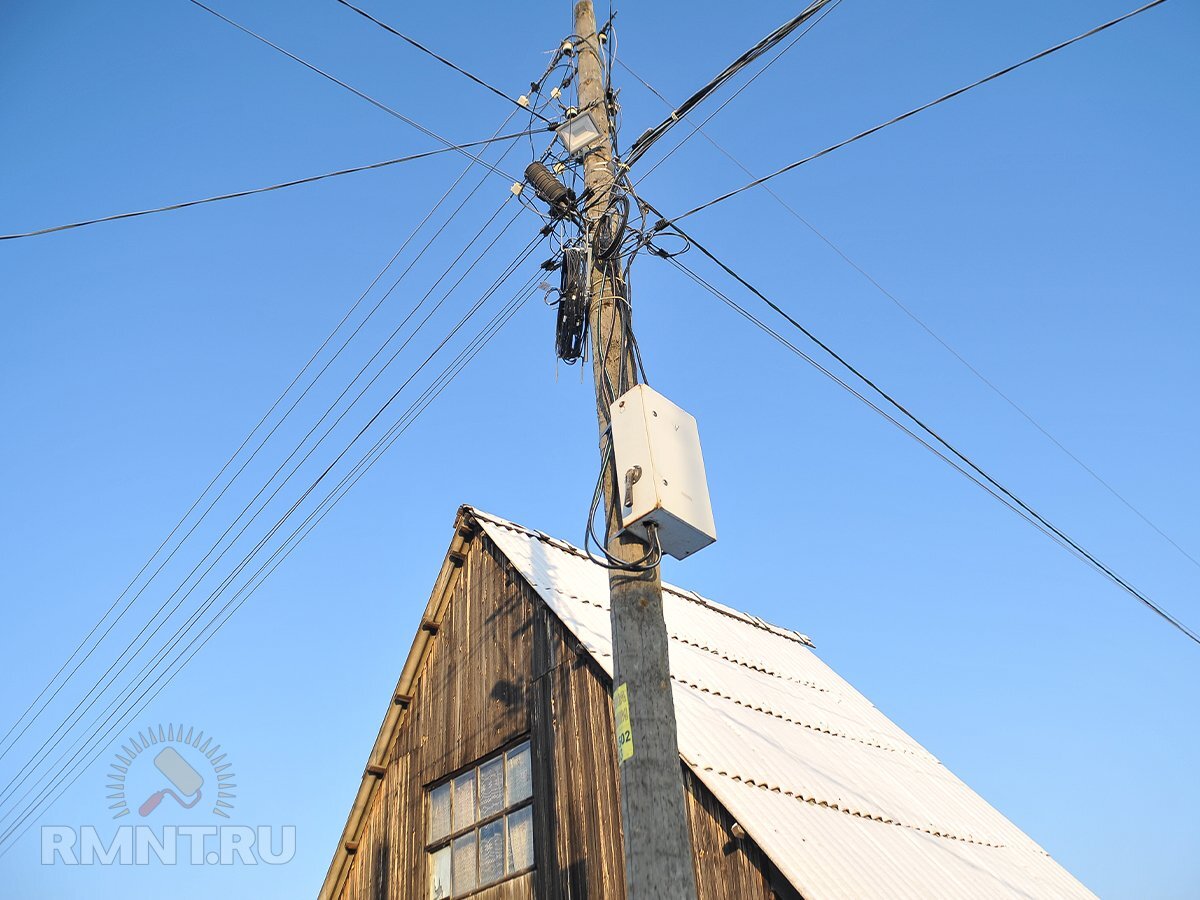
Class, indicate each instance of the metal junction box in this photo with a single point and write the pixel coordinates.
(660, 472)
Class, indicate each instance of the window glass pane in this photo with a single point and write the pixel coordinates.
(520, 839)
(439, 812)
(491, 787)
(520, 775)
(464, 800)
(491, 852)
(464, 864)
(439, 874)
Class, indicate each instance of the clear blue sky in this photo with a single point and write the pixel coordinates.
(1044, 225)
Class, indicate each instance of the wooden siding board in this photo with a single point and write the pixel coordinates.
(502, 665)
(726, 866)
(548, 881)
(469, 700)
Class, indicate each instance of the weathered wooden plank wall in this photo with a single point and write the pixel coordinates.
(468, 701)
(727, 867)
(573, 733)
(503, 666)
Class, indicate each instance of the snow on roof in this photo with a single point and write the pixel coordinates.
(841, 800)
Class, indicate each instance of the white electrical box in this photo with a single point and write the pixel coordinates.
(660, 472)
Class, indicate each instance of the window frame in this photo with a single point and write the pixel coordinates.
(447, 840)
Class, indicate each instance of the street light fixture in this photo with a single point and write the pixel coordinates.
(579, 133)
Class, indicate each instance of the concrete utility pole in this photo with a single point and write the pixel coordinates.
(658, 847)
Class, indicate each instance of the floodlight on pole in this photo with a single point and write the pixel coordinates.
(579, 133)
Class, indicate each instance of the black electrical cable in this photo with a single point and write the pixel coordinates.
(867, 401)
(271, 187)
(1026, 510)
(571, 326)
(378, 104)
(281, 553)
(429, 215)
(649, 561)
(652, 135)
(699, 129)
(912, 112)
(535, 91)
(505, 275)
(724, 103)
(386, 27)
(357, 473)
(608, 236)
(23, 772)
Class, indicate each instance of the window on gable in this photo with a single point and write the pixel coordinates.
(481, 825)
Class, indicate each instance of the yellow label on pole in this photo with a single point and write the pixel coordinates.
(624, 728)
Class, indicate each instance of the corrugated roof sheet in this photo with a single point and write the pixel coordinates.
(836, 794)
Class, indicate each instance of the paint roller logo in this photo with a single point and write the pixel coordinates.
(183, 766)
(180, 774)
(193, 767)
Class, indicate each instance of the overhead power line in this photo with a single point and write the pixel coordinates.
(268, 568)
(378, 104)
(110, 677)
(813, 23)
(253, 454)
(48, 747)
(62, 769)
(475, 78)
(956, 457)
(920, 109)
(699, 129)
(652, 135)
(271, 187)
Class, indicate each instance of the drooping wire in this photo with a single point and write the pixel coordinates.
(81, 707)
(920, 109)
(699, 129)
(618, 331)
(310, 179)
(272, 563)
(378, 104)
(855, 392)
(779, 54)
(275, 405)
(504, 276)
(650, 560)
(654, 134)
(386, 27)
(571, 327)
(951, 452)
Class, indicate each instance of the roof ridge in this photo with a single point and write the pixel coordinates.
(683, 593)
